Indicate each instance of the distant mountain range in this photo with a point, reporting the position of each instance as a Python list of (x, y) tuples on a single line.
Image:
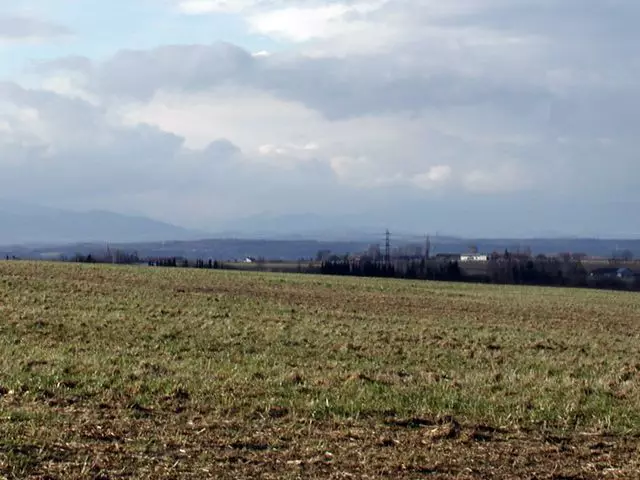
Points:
[(34, 225), (34, 231)]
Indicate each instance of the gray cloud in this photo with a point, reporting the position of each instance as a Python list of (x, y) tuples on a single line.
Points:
[(18, 28), (365, 85), (338, 88), (68, 148), (70, 153), (139, 74)]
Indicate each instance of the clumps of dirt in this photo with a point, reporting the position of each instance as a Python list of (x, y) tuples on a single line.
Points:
[(181, 394), (68, 384), (630, 372), (422, 470), (155, 369), (44, 394), (542, 346), (252, 446), (296, 378), (363, 377), (273, 412), (278, 412), (434, 377), (482, 433), (625, 382), (140, 410), (602, 446), (449, 344), (415, 422), (206, 290), (548, 345), (348, 347), (177, 400), (449, 429), (101, 434), (561, 442), (28, 460), (442, 429), (388, 442), (32, 365)]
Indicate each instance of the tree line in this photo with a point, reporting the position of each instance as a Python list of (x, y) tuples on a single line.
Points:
[(506, 269)]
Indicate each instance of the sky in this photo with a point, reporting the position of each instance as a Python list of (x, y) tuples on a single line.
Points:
[(467, 117)]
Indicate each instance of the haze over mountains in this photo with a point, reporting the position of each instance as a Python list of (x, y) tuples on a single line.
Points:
[(43, 230), (30, 224), (23, 223)]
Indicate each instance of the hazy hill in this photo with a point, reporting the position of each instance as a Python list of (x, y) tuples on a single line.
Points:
[(38, 229), (302, 226), (229, 248), (28, 224), (221, 249)]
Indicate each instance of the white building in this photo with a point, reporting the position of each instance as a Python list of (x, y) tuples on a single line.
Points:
[(474, 257)]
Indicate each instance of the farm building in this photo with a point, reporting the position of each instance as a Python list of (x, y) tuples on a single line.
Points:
[(474, 257)]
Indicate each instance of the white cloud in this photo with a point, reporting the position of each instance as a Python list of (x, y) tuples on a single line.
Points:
[(290, 148), (69, 85), (362, 150), (199, 7), (271, 150), (434, 176), (305, 23), (249, 117)]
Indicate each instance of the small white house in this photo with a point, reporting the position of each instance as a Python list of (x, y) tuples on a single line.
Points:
[(474, 257)]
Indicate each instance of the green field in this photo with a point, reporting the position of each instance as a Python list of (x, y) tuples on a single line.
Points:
[(116, 372)]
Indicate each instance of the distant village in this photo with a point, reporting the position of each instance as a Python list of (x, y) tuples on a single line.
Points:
[(618, 271)]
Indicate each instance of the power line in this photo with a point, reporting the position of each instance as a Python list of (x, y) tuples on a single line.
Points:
[(387, 248), (427, 248)]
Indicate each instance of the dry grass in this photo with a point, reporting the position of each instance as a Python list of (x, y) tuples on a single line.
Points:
[(157, 373)]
